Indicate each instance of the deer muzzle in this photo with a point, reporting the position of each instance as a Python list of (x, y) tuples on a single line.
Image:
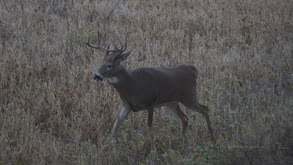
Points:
[(98, 77)]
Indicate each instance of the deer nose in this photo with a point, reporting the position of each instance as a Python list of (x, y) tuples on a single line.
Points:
[(98, 76)]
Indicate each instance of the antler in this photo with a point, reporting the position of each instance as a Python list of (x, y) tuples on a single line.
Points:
[(123, 48), (116, 49), (99, 47)]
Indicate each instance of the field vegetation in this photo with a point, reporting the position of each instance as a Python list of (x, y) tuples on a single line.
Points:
[(53, 112)]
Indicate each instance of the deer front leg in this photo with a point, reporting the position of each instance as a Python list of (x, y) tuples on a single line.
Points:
[(150, 116), (125, 110)]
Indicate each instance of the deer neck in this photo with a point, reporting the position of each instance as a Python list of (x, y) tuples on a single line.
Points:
[(121, 80)]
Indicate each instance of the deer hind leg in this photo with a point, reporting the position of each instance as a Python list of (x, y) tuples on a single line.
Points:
[(125, 110), (150, 116), (204, 110), (178, 113)]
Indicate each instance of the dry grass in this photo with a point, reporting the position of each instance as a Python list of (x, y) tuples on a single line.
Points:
[(52, 112)]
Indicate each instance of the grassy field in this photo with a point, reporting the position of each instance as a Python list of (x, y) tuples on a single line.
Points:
[(53, 112)]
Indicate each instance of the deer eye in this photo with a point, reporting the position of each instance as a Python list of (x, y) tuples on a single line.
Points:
[(109, 66)]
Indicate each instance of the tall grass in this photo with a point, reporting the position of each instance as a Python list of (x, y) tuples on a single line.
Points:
[(53, 112)]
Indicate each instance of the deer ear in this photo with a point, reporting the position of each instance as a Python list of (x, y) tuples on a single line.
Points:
[(123, 56)]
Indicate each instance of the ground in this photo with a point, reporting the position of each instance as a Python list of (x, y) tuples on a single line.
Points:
[(53, 112)]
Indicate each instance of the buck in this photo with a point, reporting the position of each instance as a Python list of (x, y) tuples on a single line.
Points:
[(149, 88)]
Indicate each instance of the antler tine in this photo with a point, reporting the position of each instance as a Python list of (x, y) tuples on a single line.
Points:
[(126, 37), (119, 40), (114, 44)]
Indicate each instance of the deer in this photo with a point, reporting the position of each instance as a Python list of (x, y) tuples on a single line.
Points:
[(150, 88)]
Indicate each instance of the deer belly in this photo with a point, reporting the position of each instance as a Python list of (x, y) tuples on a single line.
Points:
[(141, 103), (136, 108)]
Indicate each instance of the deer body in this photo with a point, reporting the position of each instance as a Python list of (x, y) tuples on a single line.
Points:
[(149, 88)]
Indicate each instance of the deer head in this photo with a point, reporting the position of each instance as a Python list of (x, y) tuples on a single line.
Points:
[(112, 59)]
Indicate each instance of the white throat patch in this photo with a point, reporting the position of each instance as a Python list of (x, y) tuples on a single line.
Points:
[(114, 80)]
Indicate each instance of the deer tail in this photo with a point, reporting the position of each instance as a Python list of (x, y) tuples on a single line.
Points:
[(194, 70)]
